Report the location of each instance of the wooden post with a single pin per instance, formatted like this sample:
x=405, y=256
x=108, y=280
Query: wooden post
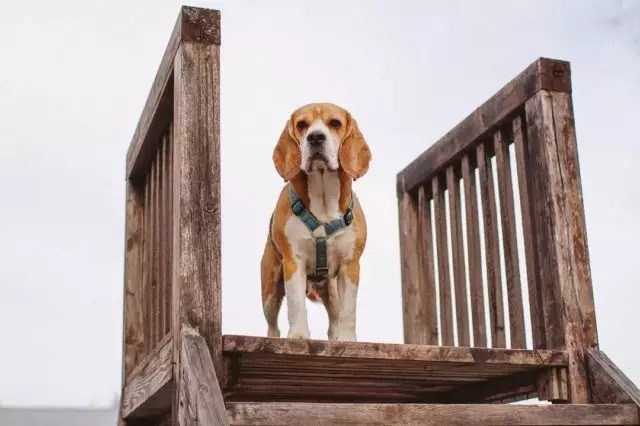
x=196, y=197
x=561, y=240
x=133, y=342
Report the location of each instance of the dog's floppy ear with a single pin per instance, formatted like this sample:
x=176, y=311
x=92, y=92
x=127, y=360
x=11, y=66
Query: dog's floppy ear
x=354, y=151
x=286, y=155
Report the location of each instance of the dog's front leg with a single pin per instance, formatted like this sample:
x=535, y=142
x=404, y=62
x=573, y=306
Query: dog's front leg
x=295, y=288
x=347, y=295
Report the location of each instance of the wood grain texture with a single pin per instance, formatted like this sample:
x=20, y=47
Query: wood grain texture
x=510, y=243
x=444, y=283
x=148, y=390
x=133, y=333
x=272, y=369
x=578, y=295
x=540, y=133
x=430, y=414
x=426, y=267
x=196, y=194
x=200, y=401
x=608, y=384
x=531, y=255
x=132, y=321
x=192, y=25
x=391, y=351
x=414, y=309
x=458, y=260
x=155, y=247
x=561, y=234
x=474, y=254
x=147, y=273
x=543, y=74
x=553, y=385
x=492, y=250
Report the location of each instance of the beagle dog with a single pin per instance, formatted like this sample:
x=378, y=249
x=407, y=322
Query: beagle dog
x=317, y=231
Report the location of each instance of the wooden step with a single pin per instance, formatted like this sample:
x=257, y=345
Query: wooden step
x=262, y=369
x=430, y=414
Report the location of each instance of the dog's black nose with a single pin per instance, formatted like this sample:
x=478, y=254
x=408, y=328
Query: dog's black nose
x=316, y=138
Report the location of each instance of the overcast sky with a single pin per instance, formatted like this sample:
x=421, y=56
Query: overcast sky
x=73, y=82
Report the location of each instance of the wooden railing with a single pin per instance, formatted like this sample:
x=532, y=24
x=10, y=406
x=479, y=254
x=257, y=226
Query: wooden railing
x=463, y=280
x=172, y=261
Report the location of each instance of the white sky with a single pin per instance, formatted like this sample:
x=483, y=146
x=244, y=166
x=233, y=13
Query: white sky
x=75, y=76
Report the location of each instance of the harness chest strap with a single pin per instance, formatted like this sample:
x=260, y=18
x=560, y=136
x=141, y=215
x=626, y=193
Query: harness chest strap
x=312, y=223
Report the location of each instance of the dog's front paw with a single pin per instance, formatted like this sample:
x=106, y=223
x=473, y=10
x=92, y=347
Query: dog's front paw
x=273, y=332
x=298, y=334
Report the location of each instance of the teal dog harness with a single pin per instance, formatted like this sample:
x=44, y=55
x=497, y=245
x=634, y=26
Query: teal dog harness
x=312, y=223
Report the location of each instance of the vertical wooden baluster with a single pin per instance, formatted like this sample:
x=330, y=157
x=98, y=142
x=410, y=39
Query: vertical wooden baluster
x=412, y=295
x=147, y=265
x=163, y=235
x=427, y=266
x=473, y=249
x=170, y=243
x=491, y=240
x=155, y=271
x=457, y=249
x=529, y=232
x=446, y=311
x=509, y=241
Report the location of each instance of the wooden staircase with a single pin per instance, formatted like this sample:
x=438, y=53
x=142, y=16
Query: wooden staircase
x=178, y=368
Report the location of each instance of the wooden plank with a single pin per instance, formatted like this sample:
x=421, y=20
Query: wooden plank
x=147, y=267
x=510, y=243
x=414, y=303
x=132, y=321
x=561, y=234
x=457, y=249
x=446, y=309
x=543, y=74
x=133, y=333
x=578, y=295
x=492, y=250
x=201, y=400
x=148, y=390
x=531, y=256
x=427, y=266
x=474, y=252
x=388, y=351
x=539, y=120
x=430, y=414
x=170, y=243
x=195, y=25
x=156, y=276
x=553, y=385
x=494, y=390
x=608, y=383
x=165, y=231
x=196, y=194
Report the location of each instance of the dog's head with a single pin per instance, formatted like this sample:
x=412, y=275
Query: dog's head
x=321, y=132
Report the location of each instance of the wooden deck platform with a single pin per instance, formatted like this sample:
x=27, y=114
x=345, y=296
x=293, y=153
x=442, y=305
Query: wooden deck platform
x=270, y=369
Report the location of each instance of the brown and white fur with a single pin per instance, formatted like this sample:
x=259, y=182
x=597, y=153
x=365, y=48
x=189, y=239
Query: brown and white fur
x=322, y=175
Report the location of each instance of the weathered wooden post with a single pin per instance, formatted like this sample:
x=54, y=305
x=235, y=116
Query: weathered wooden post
x=172, y=318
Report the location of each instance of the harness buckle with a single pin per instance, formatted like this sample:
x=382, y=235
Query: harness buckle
x=348, y=217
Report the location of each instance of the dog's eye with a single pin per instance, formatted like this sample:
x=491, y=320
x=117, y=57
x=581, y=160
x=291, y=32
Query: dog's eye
x=335, y=123
x=301, y=125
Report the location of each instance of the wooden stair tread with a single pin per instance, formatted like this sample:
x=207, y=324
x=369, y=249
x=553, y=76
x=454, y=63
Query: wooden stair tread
x=271, y=369
x=431, y=414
